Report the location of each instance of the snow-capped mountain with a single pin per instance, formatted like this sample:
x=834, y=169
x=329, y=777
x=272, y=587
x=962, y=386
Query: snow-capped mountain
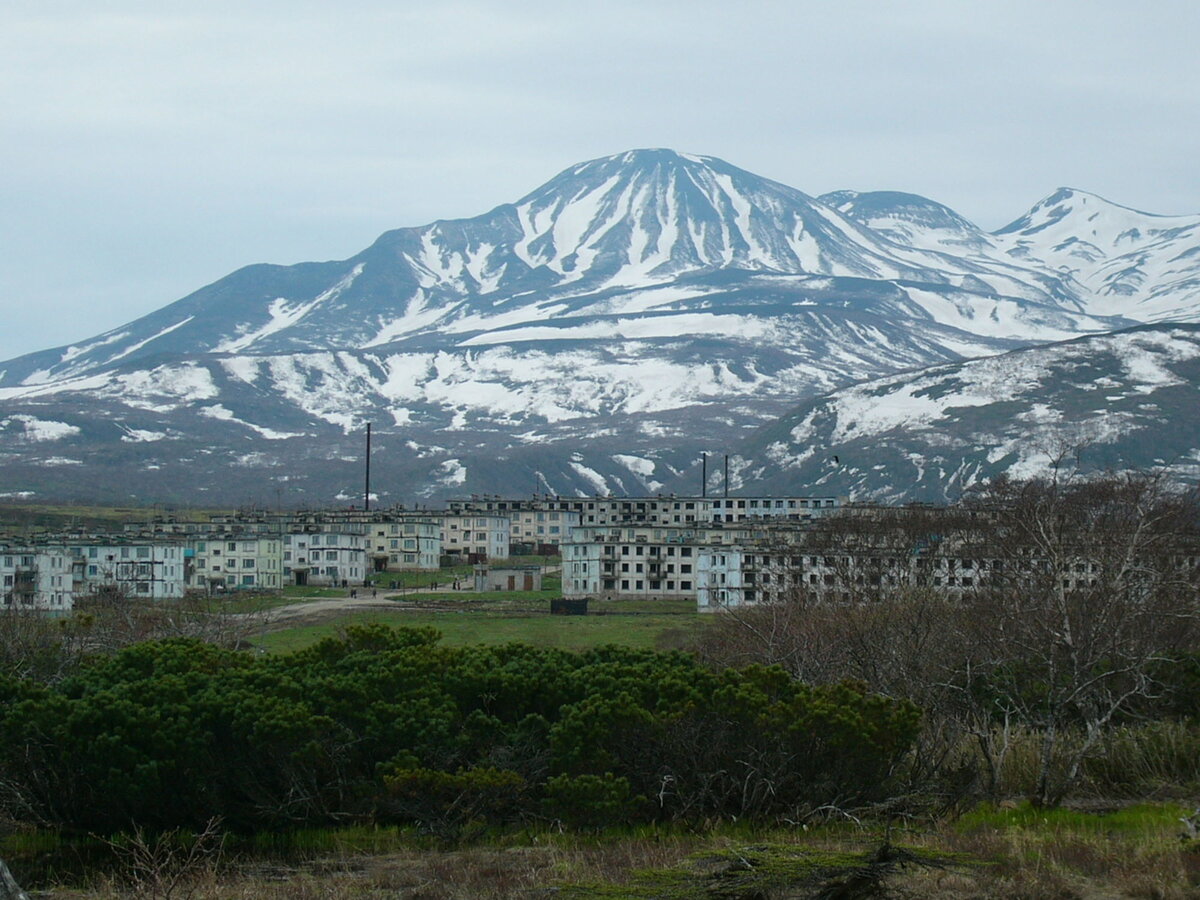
x=1124, y=400
x=592, y=336
x=1128, y=263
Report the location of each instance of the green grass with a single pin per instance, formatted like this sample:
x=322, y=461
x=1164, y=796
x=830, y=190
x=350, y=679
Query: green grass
x=477, y=599
x=56, y=515
x=513, y=561
x=1142, y=819
x=240, y=604
x=312, y=593
x=1007, y=853
x=422, y=579
x=462, y=627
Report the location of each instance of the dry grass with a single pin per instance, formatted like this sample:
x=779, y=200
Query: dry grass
x=474, y=874
x=1009, y=854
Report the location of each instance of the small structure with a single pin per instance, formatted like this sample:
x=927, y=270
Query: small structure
x=569, y=606
x=515, y=578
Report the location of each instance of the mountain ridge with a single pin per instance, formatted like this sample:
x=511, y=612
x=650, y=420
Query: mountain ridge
x=643, y=306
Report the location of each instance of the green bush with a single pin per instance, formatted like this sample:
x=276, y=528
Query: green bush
x=445, y=803
x=591, y=802
x=390, y=724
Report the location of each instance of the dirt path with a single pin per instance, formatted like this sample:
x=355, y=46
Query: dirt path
x=393, y=600
x=390, y=600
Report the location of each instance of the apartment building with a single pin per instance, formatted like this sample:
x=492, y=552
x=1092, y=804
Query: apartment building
x=662, y=511
x=639, y=561
x=42, y=578
x=236, y=561
x=324, y=558
x=149, y=569
x=410, y=544
x=475, y=535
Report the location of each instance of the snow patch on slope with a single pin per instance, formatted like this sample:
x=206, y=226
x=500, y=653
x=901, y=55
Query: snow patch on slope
x=36, y=429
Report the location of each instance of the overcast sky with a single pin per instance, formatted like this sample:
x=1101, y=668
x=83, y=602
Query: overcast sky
x=147, y=149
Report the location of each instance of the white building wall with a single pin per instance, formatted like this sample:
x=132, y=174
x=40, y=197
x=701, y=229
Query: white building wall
x=638, y=562
x=150, y=570
x=41, y=578
x=476, y=533
x=237, y=562
x=326, y=559
x=719, y=578
x=581, y=570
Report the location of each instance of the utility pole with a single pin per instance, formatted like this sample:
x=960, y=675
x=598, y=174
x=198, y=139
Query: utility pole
x=726, y=475
x=367, y=490
x=703, y=475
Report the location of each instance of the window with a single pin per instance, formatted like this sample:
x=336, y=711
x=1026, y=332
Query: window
x=247, y=563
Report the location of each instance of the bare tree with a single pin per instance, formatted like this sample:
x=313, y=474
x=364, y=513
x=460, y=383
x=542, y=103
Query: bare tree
x=9, y=889
x=115, y=620
x=1051, y=605
x=1097, y=590
x=40, y=647
x=169, y=864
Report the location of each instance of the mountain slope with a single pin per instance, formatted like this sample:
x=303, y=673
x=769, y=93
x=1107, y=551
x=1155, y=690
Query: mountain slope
x=578, y=245
x=1124, y=400
x=596, y=334
x=1129, y=263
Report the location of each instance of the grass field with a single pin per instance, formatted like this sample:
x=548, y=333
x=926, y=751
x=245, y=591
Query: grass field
x=503, y=619
x=1014, y=854
x=422, y=579
x=31, y=516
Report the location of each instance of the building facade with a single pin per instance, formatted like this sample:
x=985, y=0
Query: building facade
x=236, y=561
x=639, y=561
x=325, y=558
x=147, y=569
x=476, y=536
x=41, y=578
x=409, y=544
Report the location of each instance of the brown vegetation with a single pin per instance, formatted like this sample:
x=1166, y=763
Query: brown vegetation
x=1074, y=603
